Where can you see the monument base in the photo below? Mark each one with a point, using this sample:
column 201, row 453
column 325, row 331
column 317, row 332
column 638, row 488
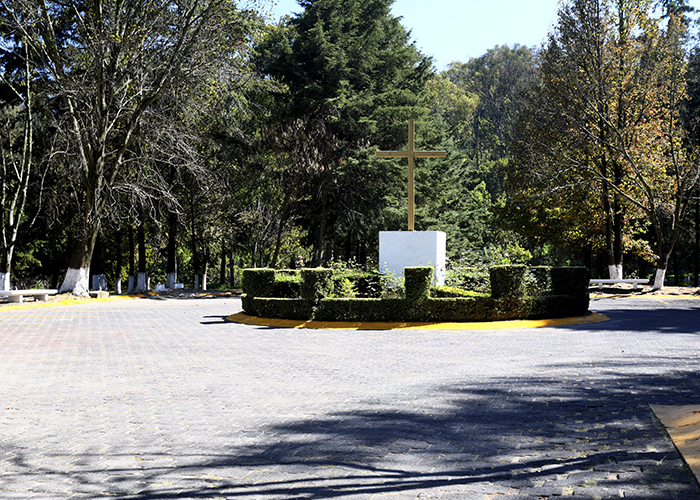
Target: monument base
column 399, row 249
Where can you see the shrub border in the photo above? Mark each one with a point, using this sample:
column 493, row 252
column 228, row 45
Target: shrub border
column 508, row 303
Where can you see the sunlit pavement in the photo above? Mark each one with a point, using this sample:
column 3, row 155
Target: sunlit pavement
column 159, row 398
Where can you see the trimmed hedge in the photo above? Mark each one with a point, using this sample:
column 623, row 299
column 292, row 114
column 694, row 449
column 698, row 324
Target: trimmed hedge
column 316, row 284
column 266, row 307
column 446, row 292
column 259, row 282
column 538, row 280
column 566, row 296
column 362, row 310
column 458, row 309
column 570, row 280
column 507, row 281
column 417, row 282
column 287, row 284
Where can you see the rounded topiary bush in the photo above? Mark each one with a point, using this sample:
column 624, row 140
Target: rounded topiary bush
column 570, row 280
column 259, row 282
column 417, row 282
column 507, row 281
column 316, row 284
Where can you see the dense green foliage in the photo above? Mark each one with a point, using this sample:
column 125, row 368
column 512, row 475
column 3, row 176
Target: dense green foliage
column 251, row 144
column 507, row 281
column 603, row 156
column 349, row 80
column 422, row 303
column 417, row 282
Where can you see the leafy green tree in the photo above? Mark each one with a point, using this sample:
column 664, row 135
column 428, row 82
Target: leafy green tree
column 16, row 157
column 478, row 102
column 606, row 122
column 677, row 8
column 349, row 73
column 497, row 79
column 455, row 107
column 107, row 63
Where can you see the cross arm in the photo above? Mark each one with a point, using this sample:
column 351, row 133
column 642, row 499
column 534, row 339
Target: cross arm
column 430, row 154
column 392, row 154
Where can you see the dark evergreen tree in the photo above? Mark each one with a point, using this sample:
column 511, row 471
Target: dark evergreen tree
column 351, row 79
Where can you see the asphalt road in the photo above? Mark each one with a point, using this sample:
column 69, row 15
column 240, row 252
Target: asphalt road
column 159, row 398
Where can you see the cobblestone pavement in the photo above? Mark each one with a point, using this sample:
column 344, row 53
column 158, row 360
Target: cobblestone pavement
column 161, row 399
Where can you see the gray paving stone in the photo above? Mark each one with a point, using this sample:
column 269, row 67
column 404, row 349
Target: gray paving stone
column 149, row 399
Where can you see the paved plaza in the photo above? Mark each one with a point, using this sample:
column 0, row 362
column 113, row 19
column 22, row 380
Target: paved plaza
column 157, row 398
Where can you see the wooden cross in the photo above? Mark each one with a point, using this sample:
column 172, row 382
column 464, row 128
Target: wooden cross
column 411, row 154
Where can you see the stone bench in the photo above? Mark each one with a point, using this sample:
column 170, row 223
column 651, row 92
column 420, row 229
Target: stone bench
column 18, row 295
column 634, row 282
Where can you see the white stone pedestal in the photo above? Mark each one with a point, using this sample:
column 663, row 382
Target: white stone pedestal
column 399, row 249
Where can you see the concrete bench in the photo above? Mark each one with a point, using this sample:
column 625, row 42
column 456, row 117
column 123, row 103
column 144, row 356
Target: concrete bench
column 18, row 295
column 635, row 282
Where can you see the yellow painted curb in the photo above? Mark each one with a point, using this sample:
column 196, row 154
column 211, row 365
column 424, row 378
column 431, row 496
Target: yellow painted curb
column 683, row 425
column 346, row 325
column 67, row 302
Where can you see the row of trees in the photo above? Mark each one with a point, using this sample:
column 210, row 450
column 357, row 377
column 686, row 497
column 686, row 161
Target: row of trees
column 151, row 137
column 605, row 147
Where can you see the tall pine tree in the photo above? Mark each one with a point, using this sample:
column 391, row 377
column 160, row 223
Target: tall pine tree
column 351, row 80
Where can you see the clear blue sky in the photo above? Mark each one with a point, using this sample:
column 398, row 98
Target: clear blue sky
column 457, row 30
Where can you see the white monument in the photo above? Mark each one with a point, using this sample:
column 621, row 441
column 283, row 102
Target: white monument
column 400, row 249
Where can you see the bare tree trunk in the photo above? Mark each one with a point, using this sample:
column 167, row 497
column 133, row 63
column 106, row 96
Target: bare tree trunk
column 78, row 273
column 132, row 263
column 676, row 270
column 142, row 279
column 171, row 266
column 193, row 243
column 613, row 269
column 280, row 230
column 119, row 264
column 321, row 226
column 696, row 249
column 232, row 274
column 659, row 278
column 13, row 202
column 665, row 249
column 222, row 268
column 6, row 266
column 99, row 277
column 4, row 281
column 617, row 236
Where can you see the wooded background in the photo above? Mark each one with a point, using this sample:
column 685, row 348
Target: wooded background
column 193, row 138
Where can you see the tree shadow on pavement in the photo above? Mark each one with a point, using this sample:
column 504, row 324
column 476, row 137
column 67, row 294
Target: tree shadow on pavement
column 648, row 315
column 587, row 432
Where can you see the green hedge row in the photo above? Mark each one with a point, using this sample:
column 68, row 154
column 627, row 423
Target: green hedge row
column 306, row 295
